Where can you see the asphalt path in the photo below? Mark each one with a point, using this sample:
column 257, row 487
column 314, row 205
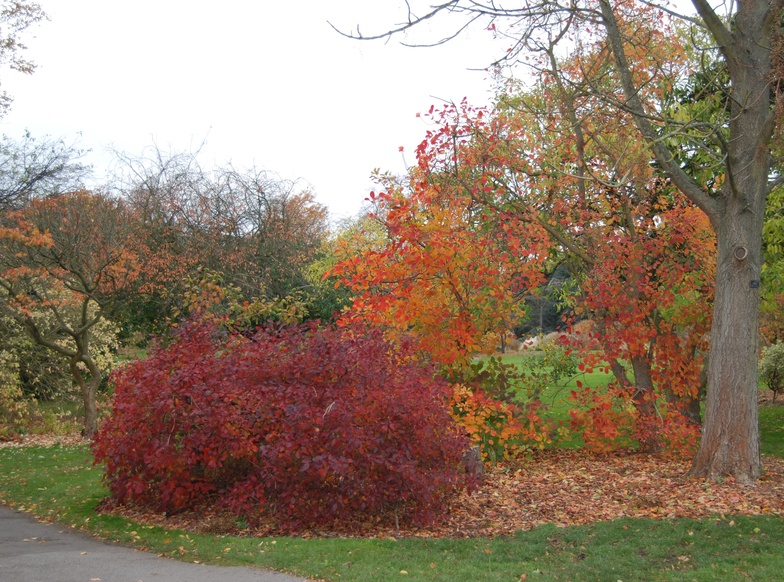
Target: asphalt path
column 40, row 552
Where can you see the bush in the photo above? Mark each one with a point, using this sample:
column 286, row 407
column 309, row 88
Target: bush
column 302, row 424
column 13, row 407
column 502, row 430
column 771, row 368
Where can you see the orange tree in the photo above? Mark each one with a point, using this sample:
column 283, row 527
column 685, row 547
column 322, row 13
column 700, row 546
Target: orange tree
column 740, row 147
column 65, row 261
column 444, row 273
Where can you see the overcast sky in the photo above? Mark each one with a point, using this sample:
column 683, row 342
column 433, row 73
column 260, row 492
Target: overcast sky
column 262, row 82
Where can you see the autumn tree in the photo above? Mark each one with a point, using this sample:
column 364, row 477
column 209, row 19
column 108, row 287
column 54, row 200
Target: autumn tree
column 64, row 264
column 439, row 272
column 483, row 194
column 747, row 37
column 259, row 231
column 34, row 168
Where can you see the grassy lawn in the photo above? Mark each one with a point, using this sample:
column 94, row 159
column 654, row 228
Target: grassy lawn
column 60, row 483
column 556, row 396
column 771, row 421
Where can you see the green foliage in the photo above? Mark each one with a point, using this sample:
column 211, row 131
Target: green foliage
column 325, row 297
column 43, row 373
column 771, row 368
column 551, row 364
column 207, row 295
column 494, row 376
column 13, row 407
column 772, row 288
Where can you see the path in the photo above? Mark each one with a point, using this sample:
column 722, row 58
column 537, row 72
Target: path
column 39, row 552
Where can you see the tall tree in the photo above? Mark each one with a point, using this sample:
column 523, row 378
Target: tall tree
column 255, row 228
column 748, row 39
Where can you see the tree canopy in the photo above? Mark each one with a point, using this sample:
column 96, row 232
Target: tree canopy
column 630, row 57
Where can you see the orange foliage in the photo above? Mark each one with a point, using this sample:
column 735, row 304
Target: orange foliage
column 501, row 429
column 444, row 276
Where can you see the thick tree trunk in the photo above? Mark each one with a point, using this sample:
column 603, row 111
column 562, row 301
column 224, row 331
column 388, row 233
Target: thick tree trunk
column 730, row 439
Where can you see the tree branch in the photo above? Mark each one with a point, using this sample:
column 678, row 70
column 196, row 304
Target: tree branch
column 664, row 157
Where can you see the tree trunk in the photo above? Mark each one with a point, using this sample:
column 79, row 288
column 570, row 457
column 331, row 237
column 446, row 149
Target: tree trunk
column 645, row 403
column 89, row 391
column 730, row 440
column 643, row 398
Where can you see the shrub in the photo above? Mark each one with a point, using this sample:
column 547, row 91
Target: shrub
column 302, row 424
column 604, row 419
column 501, row 430
column 771, row 368
column 608, row 421
column 13, row 407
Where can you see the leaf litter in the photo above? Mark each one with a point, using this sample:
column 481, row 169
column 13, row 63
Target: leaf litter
column 561, row 487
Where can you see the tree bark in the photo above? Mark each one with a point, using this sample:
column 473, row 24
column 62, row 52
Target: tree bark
column 730, row 440
column 89, row 390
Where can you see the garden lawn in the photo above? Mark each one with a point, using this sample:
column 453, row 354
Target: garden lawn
column 556, row 396
column 771, row 420
column 565, row 516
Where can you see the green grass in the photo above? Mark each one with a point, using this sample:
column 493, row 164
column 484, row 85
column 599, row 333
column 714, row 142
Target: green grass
column 61, row 484
column 771, row 422
column 556, row 397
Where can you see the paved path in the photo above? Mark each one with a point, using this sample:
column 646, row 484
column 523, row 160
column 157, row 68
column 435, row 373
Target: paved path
column 39, row 552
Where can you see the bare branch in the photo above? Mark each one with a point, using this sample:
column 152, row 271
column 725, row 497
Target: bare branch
column 714, row 24
column 410, row 23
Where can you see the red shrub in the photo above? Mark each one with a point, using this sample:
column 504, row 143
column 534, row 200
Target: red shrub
column 309, row 425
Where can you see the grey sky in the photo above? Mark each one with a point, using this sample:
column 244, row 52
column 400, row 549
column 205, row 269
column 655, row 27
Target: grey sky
column 264, row 82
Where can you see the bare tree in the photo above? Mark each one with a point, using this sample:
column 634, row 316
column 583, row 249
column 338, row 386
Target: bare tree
column 748, row 39
column 257, row 229
column 31, row 168
column 15, row 18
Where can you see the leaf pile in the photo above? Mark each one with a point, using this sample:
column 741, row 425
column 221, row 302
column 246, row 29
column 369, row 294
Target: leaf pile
column 561, row 487
column 573, row 488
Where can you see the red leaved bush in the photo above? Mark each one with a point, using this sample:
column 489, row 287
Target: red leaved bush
column 306, row 425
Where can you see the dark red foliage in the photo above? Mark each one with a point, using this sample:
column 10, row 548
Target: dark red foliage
column 307, row 425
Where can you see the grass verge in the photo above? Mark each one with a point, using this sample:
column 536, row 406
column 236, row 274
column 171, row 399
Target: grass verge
column 60, row 483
